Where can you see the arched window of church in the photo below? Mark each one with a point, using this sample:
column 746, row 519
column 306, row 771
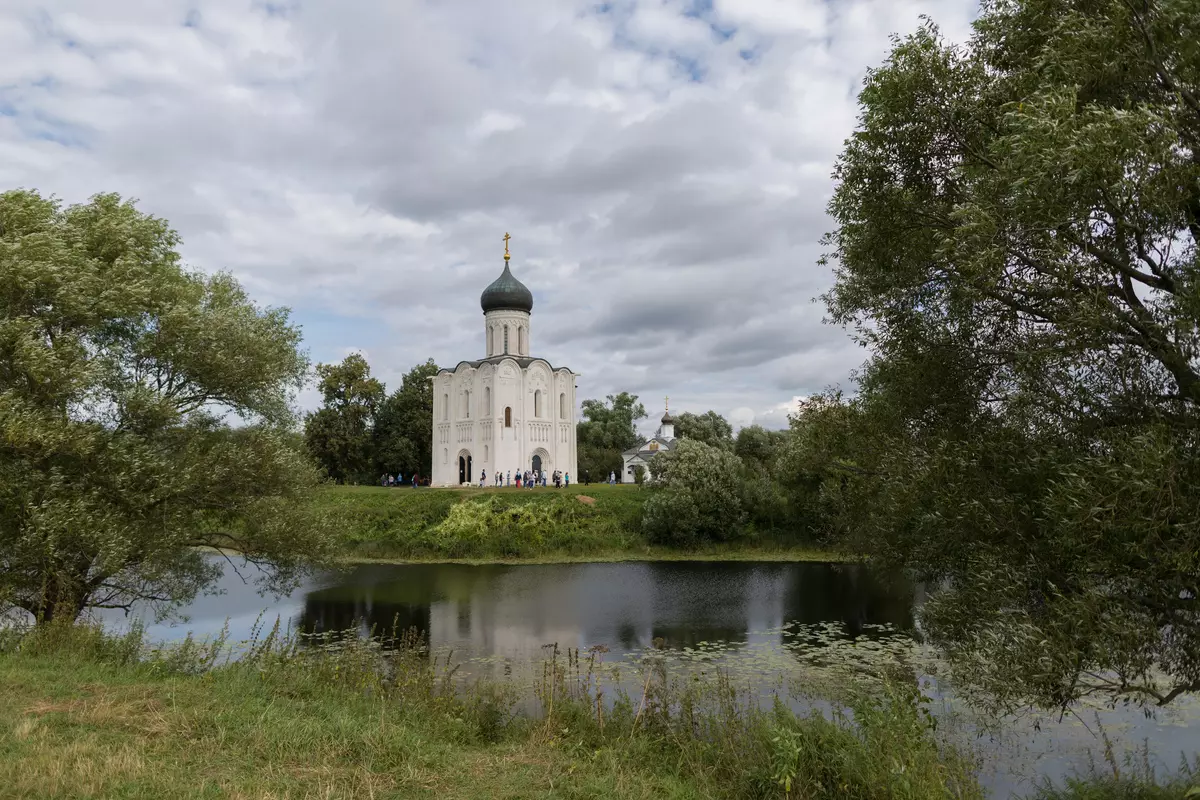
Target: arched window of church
column 562, row 405
column 445, row 406
column 537, row 403
column 508, row 416
column 522, row 341
column 467, row 404
column 506, row 340
column 487, row 400
column 485, row 453
column 445, row 455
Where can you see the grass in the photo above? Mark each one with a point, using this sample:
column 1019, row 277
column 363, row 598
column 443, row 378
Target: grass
column 513, row 525
column 89, row 715
column 1132, row 778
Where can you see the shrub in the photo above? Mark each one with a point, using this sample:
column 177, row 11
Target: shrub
column 697, row 495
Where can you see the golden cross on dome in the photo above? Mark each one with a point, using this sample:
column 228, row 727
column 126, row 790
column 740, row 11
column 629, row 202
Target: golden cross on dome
column 667, row 404
column 506, row 238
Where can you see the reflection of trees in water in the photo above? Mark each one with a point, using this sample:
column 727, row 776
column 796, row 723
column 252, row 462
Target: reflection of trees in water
column 627, row 636
column 371, row 598
column 336, row 611
column 682, row 603
column 686, row 603
column 694, row 602
column 850, row 594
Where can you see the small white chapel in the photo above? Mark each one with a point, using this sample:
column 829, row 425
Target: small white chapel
column 662, row 441
column 509, row 411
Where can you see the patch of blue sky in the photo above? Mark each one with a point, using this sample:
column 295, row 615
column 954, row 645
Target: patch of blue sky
column 40, row 128
column 685, row 64
column 694, row 69
column 276, row 8
column 703, row 11
column 327, row 335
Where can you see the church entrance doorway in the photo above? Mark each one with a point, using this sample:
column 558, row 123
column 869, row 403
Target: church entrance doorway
column 464, row 468
column 537, row 463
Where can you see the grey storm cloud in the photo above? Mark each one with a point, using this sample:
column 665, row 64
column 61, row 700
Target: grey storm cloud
column 662, row 165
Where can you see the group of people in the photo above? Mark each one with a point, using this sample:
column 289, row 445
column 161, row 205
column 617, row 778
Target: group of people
column 387, row 479
column 528, row 478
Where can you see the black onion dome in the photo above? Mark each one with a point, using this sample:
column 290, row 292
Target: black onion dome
column 506, row 293
column 666, row 419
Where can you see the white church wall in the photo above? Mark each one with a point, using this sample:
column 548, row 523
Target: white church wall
column 509, row 388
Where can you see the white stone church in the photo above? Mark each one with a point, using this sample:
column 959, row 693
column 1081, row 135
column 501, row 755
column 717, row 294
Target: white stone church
column 506, row 412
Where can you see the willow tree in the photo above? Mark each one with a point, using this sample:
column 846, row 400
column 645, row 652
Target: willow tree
column 119, row 371
column 1017, row 227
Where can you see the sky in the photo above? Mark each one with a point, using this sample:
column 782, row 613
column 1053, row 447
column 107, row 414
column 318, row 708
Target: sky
column 663, row 167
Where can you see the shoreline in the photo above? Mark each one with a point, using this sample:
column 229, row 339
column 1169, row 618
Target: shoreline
column 799, row 555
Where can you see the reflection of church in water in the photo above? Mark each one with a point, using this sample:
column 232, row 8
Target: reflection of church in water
column 513, row 611
column 509, row 411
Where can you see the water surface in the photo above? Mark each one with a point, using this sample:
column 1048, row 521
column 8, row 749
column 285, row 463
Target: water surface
column 766, row 622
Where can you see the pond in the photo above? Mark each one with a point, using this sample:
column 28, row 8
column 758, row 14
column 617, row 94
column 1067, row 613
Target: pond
column 765, row 622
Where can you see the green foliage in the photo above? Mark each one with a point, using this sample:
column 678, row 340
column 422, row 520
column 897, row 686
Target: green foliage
column 605, row 432
column 696, row 495
column 338, row 435
column 639, row 474
column 375, row 522
column 884, row 748
column 1117, row 789
column 116, row 369
column 496, row 525
column 610, row 425
column 756, row 445
column 396, row 722
column 710, row 428
column 816, row 463
column 1017, row 222
column 1132, row 778
column 505, row 523
column 764, row 496
column 402, row 437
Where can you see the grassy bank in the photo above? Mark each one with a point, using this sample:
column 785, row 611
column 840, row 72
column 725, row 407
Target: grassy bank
column 90, row 716
column 585, row 523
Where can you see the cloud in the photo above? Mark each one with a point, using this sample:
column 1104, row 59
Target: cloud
column 662, row 165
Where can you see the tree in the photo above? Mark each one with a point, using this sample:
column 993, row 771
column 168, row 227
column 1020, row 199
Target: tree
column 1016, row 241
column 403, row 433
column 117, row 367
column 709, row 427
column 607, row 431
column 763, row 495
column 338, row 435
column 758, row 446
column 696, row 495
